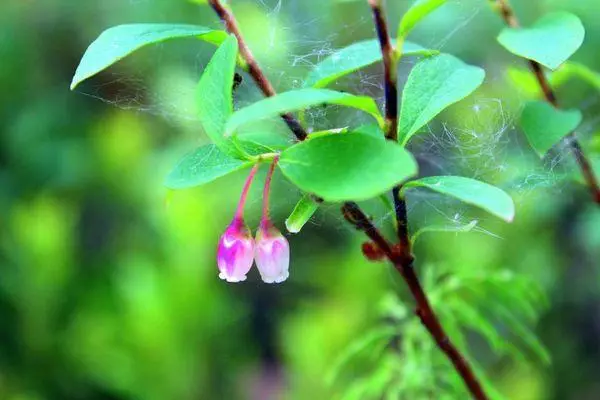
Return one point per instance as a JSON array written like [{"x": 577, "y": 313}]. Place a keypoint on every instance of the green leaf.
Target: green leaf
[
  {"x": 298, "y": 100},
  {"x": 371, "y": 130},
  {"x": 490, "y": 198},
  {"x": 434, "y": 84},
  {"x": 353, "y": 58},
  {"x": 252, "y": 148},
  {"x": 333, "y": 131},
  {"x": 202, "y": 166},
  {"x": 445, "y": 228},
  {"x": 524, "y": 80},
  {"x": 214, "y": 95},
  {"x": 572, "y": 69},
  {"x": 363, "y": 343},
  {"x": 272, "y": 133},
  {"x": 472, "y": 318},
  {"x": 550, "y": 41},
  {"x": 545, "y": 125},
  {"x": 352, "y": 166},
  {"x": 301, "y": 214},
  {"x": 521, "y": 331},
  {"x": 419, "y": 10},
  {"x": 118, "y": 42}
]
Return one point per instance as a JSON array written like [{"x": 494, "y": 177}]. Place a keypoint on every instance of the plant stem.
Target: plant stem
[
  {"x": 390, "y": 82},
  {"x": 511, "y": 20},
  {"x": 401, "y": 256},
  {"x": 390, "y": 73},
  {"x": 239, "y": 213},
  {"x": 253, "y": 68},
  {"x": 403, "y": 263},
  {"x": 403, "y": 259},
  {"x": 267, "y": 189}
]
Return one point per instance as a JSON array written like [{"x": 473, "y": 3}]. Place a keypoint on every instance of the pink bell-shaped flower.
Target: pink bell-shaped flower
[
  {"x": 272, "y": 250},
  {"x": 272, "y": 253},
  {"x": 235, "y": 253}
]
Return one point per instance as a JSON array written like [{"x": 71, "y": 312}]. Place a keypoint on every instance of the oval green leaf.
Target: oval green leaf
[
  {"x": 353, "y": 58},
  {"x": 298, "y": 100},
  {"x": 419, "y": 10},
  {"x": 471, "y": 191},
  {"x": 444, "y": 228},
  {"x": 202, "y": 166},
  {"x": 118, "y": 42},
  {"x": 571, "y": 70},
  {"x": 434, "y": 84},
  {"x": 214, "y": 97},
  {"x": 350, "y": 166},
  {"x": 372, "y": 130},
  {"x": 550, "y": 41},
  {"x": 304, "y": 210},
  {"x": 544, "y": 125}
]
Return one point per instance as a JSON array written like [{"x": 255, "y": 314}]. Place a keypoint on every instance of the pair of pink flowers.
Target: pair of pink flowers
[{"x": 238, "y": 249}]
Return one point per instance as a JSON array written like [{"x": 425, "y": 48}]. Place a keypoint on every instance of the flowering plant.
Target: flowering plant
[{"x": 348, "y": 165}]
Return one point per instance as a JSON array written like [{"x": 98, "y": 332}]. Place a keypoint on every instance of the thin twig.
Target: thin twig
[
  {"x": 401, "y": 255},
  {"x": 390, "y": 84},
  {"x": 253, "y": 68},
  {"x": 511, "y": 20},
  {"x": 403, "y": 263},
  {"x": 390, "y": 73}
]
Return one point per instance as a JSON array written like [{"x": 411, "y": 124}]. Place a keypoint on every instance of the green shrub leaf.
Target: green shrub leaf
[
  {"x": 350, "y": 166},
  {"x": 202, "y": 166},
  {"x": 215, "y": 98},
  {"x": 490, "y": 198},
  {"x": 372, "y": 130},
  {"x": 434, "y": 84},
  {"x": 118, "y": 42},
  {"x": 419, "y": 10},
  {"x": 353, "y": 58},
  {"x": 544, "y": 125},
  {"x": 550, "y": 41},
  {"x": 298, "y": 100},
  {"x": 445, "y": 228},
  {"x": 304, "y": 210},
  {"x": 570, "y": 70}
]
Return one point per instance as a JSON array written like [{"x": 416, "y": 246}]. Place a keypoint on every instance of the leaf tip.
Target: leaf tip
[
  {"x": 291, "y": 227},
  {"x": 509, "y": 216}
]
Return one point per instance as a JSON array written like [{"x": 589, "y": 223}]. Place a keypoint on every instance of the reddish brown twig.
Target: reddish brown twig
[
  {"x": 390, "y": 84},
  {"x": 401, "y": 255},
  {"x": 511, "y": 20},
  {"x": 403, "y": 263},
  {"x": 389, "y": 68},
  {"x": 253, "y": 68}
]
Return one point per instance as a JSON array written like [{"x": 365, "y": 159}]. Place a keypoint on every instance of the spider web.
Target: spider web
[{"x": 485, "y": 143}]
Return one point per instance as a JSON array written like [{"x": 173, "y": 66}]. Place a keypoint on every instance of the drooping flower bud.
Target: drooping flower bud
[
  {"x": 272, "y": 253},
  {"x": 236, "y": 252},
  {"x": 272, "y": 250}
]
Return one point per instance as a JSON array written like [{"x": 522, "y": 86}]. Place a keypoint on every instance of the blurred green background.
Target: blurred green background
[{"x": 108, "y": 284}]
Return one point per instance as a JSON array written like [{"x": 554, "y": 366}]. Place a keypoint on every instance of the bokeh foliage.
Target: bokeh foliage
[{"x": 108, "y": 284}]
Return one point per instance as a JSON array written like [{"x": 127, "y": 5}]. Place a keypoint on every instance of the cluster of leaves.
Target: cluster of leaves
[
  {"x": 357, "y": 163},
  {"x": 351, "y": 163},
  {"x": 397, "y": 359},
  {"x": 543, "y": 124}
]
